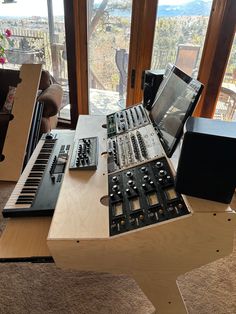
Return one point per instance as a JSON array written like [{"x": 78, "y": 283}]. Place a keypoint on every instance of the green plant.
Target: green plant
[{"x": 3, "y": 41}]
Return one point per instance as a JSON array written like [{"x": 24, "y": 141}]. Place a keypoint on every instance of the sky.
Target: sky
[
  {"x": 30, "y": 8},
  {"x": 39, "y": 7}
]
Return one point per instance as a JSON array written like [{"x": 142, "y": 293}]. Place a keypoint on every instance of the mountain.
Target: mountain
[{"x": 195, "y": 7}]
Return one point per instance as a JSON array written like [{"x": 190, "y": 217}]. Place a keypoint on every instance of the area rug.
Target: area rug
[{"x": 46, "y": 289}]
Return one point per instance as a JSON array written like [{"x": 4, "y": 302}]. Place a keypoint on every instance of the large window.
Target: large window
[
  {"x": 108, "y": 51},
  {"x": 180, "y": 33},
  {"x": 226, "y": 104},
  {"x": 38, "y": 36}
]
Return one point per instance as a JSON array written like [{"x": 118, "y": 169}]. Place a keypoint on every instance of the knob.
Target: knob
[
  {"x": 146, "y": 177},
  {"x": 128, "y": 191},
  {"x": 49, "y": 136},
  {"x": 129, "y": 174},
  {"x": 159, "y": 164},
  {"x": 141, "y": 217},
  {"x": 162, "y": 173},
  {"x": 144, "y": 169},
  {"x": 115, "y": 179},
  {"x": 130, "y": 182},
  {"x": 144, "y": 186},
  {"x": 115, "y": 187}
]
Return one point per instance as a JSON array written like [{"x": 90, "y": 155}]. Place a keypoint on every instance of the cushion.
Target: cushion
[
  {"x": 45, "y": 80},
  {"x": 52, "y": 99},
  {"x": 7, "y": 106}
]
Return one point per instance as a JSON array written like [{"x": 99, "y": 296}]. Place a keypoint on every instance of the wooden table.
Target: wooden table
[{"x": 79, "y": 233}]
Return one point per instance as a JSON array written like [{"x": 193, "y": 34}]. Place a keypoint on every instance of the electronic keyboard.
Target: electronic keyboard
[{"x": 36, "y": 192}]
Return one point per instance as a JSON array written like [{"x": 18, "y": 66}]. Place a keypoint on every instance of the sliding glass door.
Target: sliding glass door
[{"x": 109, "y": 25}]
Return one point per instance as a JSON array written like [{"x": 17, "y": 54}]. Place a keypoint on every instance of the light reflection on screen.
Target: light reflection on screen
[{"x": 174, "y": 102}]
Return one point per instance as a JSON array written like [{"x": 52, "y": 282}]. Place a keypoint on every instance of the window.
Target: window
[
  {"x": 108, "y": 52},
  {"x": 209, "y": 60},
  {"x": 226, "y": 104},
  {"x": 180, "y": 33},
  {"x": 38, "y": 36}
]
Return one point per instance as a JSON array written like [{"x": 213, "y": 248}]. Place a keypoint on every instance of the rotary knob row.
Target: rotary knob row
[
  {"x": 142, "y": 145},
  {"x": 135, "y": 147}
]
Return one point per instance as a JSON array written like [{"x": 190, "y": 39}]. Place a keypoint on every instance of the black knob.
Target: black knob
[
  {"x": 144, "y": 186},
  {"x": 146, "y": 177},
  {"x": 159, "y": 164},
  {"x": 130, "y": 182},
  {"x": 162, "y": 173},
  {"x": 49, "y": 136},
  {"x": 144, "y": 169},
  {"x": 129, "y": 174},
  {"x": 115, "y": 187},
  {"x": 115, "y": 179}
]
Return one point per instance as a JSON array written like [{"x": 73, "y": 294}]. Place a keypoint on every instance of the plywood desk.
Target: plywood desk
[
  {"x": 79, "y": 234},
  {"x": 155, "y": 256}
]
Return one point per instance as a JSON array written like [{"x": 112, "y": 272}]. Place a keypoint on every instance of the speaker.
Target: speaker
[
  {"x": 152, "y": 81},
  {"x": 207, "y": 162}
]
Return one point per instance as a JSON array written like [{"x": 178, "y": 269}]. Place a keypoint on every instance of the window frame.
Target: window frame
[{"x": 217, "y": 46}]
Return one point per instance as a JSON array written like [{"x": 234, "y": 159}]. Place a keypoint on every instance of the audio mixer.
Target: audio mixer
[
  {"x": 142, "y": 196},
  {"x": 126, "y": 120},
  {"x": 132, "y": 148}
]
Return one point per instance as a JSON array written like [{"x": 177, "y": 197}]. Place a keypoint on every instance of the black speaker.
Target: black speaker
[
  {"x": 207, "y": 163},
  {"x": 152, "y": 81}
]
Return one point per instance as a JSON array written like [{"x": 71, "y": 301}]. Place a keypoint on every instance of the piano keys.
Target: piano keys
[{"x": 36, "y": 192}]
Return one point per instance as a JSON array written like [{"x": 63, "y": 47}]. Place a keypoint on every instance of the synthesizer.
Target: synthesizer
[
  {"x": 36, "y": 192},
  {"x": 84, "y": 154},
  {"x": 133, "y": 147},
  {"x": 126, "y": 120},
  {"x": 142, "y": 196}
]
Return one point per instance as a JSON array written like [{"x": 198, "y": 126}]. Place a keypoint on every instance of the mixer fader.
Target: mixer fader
[{"x": 143, "y": 195}]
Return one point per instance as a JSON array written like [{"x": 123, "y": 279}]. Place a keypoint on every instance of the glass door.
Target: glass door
[
  {"x": 37, "y": 36},
  {"x": 226, "y": 104},
  {"x": 180, "y": 31},
  {"x": 109, "y": 26}
]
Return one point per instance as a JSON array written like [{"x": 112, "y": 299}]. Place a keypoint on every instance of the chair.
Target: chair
[
  {"x": 186, "y": 58},
  {"x": 226, "y": 105}
]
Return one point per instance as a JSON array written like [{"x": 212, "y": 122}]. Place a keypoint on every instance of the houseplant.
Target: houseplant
[{"x": 4, "y": 39}]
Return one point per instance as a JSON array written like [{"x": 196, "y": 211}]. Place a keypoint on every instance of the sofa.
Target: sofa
[{"x": 49, "y": 93}]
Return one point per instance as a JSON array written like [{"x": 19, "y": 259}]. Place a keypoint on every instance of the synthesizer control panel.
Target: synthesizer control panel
[
  {"x": 85, "y": 154},
  {"x": 126, "y": 120},
  {"x": 133, "y": 147},
  {"x": 142, "y": 196}
]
